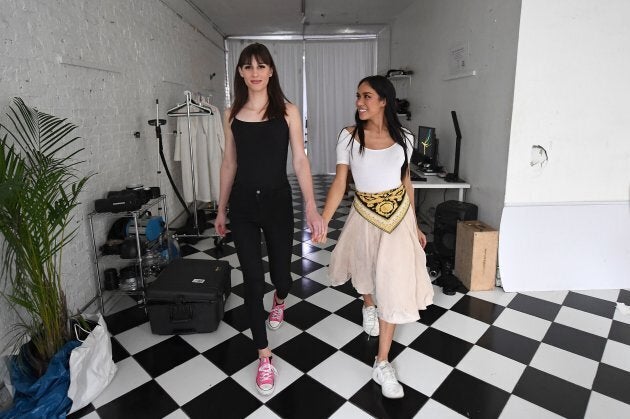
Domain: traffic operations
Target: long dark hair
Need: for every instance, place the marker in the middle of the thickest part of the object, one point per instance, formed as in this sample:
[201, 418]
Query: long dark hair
[276, 107]
[385, 90]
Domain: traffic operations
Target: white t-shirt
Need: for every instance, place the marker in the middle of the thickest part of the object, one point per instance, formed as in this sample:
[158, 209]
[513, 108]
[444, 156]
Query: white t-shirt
[374, 170]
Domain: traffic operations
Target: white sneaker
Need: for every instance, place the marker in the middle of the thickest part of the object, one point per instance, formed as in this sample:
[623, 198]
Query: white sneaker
[370, 320]
[384, 374]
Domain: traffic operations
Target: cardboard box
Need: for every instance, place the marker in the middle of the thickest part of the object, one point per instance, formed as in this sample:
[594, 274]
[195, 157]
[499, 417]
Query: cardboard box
[476, 255]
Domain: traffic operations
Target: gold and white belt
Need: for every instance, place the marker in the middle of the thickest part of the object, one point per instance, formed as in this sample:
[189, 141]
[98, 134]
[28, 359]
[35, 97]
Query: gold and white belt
[385, 209]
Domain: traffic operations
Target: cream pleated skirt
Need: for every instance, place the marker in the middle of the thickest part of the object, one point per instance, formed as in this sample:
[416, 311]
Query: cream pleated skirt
[390, 266]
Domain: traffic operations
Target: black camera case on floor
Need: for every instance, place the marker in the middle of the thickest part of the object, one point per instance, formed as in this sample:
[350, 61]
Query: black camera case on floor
[188, 296]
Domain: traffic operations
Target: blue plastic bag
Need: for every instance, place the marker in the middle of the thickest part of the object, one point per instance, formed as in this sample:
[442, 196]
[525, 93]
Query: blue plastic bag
[44, 397]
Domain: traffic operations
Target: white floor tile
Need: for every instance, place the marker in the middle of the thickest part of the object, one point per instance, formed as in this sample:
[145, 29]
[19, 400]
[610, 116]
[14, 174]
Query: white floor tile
[263, 412]
[139, 338]
[178, 414]
[205, 244]
[233, 301]
[621, 317]
[237, 277]
[200, 256]
[114, 302]
[289, 301]
[233, 260]
[435, 410]
[443, 300]
[335, 330]
[342, 374]
[204, 341]
[350, 411]
[492, 368]
[320, 275]
[617, 354]
[601, 406]
[92, 415]
[408, 332]
[552, 296]
[497, 296]
[330, 299]
[188, 380]
[582, 320]
[342, 219]
[321, 256]
[128, 376]
[566, 365]
[524, 324]
[517, 408]
[463, 327]
[420, 371]
[285, 333]
[287, 374]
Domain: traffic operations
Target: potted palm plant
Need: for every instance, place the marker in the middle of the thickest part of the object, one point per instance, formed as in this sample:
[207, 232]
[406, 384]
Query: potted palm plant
[39, 190]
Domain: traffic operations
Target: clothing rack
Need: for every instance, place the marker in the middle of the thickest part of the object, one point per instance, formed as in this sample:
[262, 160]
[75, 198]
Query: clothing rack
[188, 109]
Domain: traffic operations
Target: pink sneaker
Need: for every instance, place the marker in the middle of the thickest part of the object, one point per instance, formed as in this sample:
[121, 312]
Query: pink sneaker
[276, 316]
[266, 377]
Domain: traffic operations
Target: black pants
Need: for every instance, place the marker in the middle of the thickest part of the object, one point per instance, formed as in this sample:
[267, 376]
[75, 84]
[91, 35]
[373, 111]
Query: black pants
[269, 211]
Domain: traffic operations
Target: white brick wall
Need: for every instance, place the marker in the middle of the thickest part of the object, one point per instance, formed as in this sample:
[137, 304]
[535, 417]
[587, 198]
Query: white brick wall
[145, 43]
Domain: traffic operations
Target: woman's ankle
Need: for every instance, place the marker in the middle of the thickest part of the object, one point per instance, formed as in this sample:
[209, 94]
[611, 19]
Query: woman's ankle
[264, 353]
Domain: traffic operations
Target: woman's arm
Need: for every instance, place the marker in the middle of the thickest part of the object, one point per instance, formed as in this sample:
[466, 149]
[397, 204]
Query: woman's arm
[228, 171]
[333, 198]
[302, 169]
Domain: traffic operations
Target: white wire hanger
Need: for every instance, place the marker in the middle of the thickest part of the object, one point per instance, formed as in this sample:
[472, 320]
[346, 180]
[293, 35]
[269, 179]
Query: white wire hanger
[189, 108]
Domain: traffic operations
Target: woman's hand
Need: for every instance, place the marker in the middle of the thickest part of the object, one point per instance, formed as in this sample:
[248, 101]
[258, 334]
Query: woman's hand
[315, 223]
[422, 238]
[322, 237]
[220, 223]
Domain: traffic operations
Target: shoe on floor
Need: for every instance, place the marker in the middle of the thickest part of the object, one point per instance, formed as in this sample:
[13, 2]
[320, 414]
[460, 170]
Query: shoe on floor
[370, 320]
[276, 315]
[266, 377]
[384, 374]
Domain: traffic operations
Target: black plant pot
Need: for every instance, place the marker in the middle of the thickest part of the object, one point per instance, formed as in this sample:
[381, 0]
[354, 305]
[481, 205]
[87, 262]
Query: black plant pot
[31, 361]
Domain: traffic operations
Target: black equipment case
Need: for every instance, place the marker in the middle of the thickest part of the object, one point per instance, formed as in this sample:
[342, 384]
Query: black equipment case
[188, 296]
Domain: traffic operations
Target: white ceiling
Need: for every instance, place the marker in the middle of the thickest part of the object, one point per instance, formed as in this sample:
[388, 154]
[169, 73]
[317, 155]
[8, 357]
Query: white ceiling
[298, 17]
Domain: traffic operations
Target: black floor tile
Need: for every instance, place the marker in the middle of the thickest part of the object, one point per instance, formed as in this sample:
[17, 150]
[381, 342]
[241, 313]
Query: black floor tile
[233, 354]
[441, 346]
[620, 332]
[237, 317]
[347, 288]
[334, 235]
[82, 412]
[147, 401]
[509, 344]
[225, 400]
[590, 304]
[304, 351]
[304, 249]
[371, 400]
[352, 312]
[165, 355]
[126, 319]
[470, 396]
[479, 309]
[303, 267]
[187, 250]
[301, 236]
[118, 351]
[431, 314]
[291, 402]
[240, 289]
[304, 315]
[221, 251]
[364, 348]
[624, 297]
[535, 306]
[576, 341]
[552, 393]
[613, 382]
[304, 287]
[336, 224]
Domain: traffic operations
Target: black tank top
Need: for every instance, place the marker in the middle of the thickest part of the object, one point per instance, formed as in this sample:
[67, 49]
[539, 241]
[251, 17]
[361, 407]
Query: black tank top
[261, 153]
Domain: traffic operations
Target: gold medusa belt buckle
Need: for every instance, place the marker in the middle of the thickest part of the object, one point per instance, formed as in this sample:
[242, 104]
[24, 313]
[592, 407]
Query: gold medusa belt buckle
[385, 210]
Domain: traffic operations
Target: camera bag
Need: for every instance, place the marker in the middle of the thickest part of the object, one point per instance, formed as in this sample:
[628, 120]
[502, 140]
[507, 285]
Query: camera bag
[188, 296]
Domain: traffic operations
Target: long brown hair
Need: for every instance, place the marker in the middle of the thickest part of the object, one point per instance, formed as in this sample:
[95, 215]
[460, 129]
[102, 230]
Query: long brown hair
[276, 107]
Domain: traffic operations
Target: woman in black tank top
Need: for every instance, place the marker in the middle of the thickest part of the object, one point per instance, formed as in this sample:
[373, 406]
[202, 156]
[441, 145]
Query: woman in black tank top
[259, 128]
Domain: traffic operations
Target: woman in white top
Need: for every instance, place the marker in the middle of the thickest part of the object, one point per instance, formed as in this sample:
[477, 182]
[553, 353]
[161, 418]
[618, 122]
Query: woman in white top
[381, 246]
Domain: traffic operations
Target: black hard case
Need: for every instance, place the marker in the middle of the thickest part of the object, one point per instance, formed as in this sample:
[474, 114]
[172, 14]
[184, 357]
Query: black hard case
[188, 296]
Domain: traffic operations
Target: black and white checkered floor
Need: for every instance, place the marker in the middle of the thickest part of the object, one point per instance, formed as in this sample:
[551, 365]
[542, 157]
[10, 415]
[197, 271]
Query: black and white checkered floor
[476, 355]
